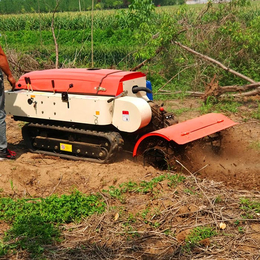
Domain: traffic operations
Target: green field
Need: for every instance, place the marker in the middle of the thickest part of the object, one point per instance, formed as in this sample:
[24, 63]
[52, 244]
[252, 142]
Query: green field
[228, 33]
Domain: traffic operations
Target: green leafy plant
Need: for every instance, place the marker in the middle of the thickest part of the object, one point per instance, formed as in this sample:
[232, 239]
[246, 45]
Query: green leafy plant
[174, 180]
[115, 193]
[31, 233]
[241, 230]
[250, 208]
[218, 199]
[140, 11]
[196, 235]
[35, 221]
[225, 105]
[144, 186]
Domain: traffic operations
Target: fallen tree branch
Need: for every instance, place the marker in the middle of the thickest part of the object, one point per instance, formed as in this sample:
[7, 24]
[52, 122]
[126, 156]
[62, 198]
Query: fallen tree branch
[222, 90]
[189, 93]
[240, 88]
[214, 61]
[250, 93]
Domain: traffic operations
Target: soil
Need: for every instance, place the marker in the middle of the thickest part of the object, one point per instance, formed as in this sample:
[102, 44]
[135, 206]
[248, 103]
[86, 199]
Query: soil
[233, 171]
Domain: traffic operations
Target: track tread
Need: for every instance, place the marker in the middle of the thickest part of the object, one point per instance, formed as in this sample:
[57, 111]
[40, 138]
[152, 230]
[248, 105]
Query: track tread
[114, 138]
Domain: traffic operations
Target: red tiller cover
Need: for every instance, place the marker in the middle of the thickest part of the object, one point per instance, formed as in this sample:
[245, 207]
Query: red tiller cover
[190, 130]
[85, 81]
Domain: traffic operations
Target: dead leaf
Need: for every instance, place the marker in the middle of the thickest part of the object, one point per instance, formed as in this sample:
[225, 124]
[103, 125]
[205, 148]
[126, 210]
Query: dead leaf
[222, 225]
[116, 216]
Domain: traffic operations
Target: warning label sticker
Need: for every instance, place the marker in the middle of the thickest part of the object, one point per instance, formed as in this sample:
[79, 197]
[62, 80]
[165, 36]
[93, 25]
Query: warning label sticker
[125, 115]
[66, 147]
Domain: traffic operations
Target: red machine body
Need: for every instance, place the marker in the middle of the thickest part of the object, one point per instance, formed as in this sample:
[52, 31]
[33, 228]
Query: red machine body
[191, 130]
[84, 81]
[91, 114]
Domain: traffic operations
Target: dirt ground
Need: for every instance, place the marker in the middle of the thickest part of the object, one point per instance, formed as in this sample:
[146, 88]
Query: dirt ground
[236, 168]
[237, 165]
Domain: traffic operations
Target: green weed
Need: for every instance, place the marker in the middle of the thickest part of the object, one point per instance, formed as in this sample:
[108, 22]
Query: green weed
[31, 233]
[145, 213]
[256, 114]
[174, 180]
[144, 187]
[179, 111]
[190, 191]
[196, 235]
[115, 193]
[251, 208]
[213, 105]
[236, 223]
[241, 230]
[129, 187]
[218, 199]
[35, 221]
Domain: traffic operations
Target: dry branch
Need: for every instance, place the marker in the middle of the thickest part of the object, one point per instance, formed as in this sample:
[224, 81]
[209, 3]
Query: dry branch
[214, 61]
[213, 88]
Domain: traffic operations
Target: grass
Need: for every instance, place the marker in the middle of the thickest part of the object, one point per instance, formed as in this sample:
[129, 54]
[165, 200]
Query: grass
[225, 105]
[196, 235]
[251, 209]
[149, 213]
[35, 222]
[144, 187]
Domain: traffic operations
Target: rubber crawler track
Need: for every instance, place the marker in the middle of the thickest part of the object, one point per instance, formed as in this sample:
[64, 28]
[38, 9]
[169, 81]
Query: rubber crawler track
[114, 140]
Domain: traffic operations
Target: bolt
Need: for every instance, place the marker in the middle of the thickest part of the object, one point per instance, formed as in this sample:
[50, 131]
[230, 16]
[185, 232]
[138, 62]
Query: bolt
[78, 151]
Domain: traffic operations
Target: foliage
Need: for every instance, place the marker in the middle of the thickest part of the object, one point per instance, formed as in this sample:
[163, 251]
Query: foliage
[35, 221]
[140, 11]
[225, 105]
[29, 6]
[63, 209]
[227, 32]
[196, 235]
[251, 208]
[144, 187]
[30, 233]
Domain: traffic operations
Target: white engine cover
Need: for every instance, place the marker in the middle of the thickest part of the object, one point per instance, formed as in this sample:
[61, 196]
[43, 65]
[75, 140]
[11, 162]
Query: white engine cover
[128, 114]
[131, 114]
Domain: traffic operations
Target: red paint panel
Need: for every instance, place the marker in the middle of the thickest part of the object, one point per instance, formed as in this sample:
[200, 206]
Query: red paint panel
[191, 130]
[85, 81]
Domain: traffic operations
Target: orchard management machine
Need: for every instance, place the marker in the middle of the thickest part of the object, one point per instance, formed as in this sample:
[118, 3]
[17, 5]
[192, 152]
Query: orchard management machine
[94, 114]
